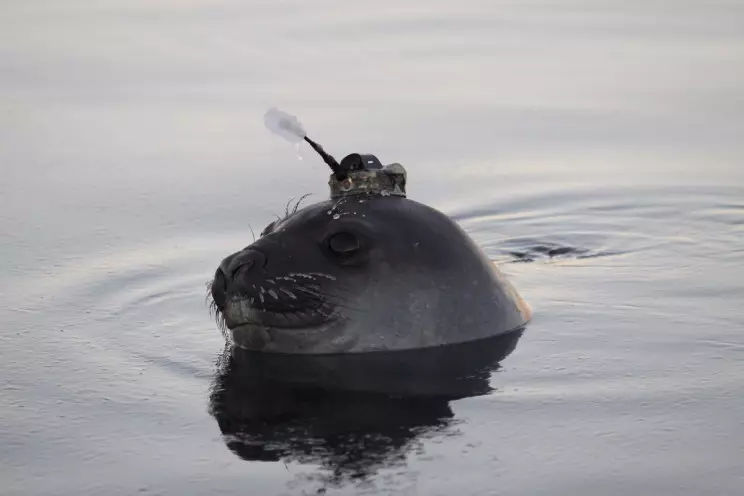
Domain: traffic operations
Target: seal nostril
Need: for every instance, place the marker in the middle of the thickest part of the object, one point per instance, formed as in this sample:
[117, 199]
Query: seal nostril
[245, 262]
[242, 269]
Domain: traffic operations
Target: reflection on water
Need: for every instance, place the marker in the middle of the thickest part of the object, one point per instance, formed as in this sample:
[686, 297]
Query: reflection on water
[351, 415]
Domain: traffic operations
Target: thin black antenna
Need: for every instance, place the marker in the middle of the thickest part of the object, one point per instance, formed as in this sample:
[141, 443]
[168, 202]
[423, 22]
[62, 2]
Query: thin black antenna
[328, 159]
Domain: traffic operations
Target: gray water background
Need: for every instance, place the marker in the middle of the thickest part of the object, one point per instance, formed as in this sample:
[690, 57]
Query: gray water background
[134, 157]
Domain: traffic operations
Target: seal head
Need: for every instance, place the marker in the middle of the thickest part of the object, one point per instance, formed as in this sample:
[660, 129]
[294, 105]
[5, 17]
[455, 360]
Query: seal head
[362, 273]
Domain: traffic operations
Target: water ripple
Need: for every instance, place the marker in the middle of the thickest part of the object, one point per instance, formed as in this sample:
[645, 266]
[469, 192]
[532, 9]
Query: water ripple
[554, 226]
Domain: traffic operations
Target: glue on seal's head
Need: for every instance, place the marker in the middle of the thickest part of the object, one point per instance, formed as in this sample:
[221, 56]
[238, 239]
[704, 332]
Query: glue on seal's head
[363, 174]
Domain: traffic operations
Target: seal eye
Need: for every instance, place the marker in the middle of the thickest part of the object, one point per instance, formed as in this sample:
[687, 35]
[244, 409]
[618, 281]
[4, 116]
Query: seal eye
[343, 243]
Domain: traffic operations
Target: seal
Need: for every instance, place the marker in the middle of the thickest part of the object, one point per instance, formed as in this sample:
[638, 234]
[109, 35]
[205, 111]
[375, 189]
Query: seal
[363, 273]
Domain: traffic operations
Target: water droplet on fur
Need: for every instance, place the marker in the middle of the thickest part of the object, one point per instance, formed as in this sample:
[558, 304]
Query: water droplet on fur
[336, 216]
[329, 212]
[385, 193]
[361, 201]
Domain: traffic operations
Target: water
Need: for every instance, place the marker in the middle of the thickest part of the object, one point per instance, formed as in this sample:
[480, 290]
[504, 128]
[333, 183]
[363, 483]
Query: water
[592, 148]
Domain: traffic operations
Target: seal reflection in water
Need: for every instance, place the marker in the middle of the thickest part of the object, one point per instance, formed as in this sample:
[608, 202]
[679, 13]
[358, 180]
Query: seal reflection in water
[350, 414]
[359, 273]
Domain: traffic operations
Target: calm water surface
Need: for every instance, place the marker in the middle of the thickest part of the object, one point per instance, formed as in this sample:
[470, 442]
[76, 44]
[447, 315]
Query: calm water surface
[593, 148]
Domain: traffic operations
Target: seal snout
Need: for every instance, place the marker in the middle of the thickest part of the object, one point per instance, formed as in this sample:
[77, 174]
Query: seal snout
[232, 274]
[247, 290]
[241, 263]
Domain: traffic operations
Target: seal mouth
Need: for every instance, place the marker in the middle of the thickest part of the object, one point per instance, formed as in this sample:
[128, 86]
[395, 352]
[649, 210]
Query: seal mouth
[270, 329]
[239, 314]
[281, 339]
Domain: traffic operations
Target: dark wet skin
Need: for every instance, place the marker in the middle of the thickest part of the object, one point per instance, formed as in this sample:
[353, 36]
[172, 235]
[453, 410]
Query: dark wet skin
[387, 266]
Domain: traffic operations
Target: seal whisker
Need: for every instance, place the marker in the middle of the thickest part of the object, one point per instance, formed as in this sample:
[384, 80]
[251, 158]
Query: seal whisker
[288, 293]
[213, 310]
[286, 207]
[335, 299]
[297, 205]
[308, 291]
[216, 314]
[219, 319]
[291, 210]
[208, 298]
[316, 290]
[315, 287]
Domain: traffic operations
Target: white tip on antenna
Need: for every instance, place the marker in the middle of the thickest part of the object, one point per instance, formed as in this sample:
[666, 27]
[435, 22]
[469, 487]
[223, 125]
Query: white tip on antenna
[285, 125]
